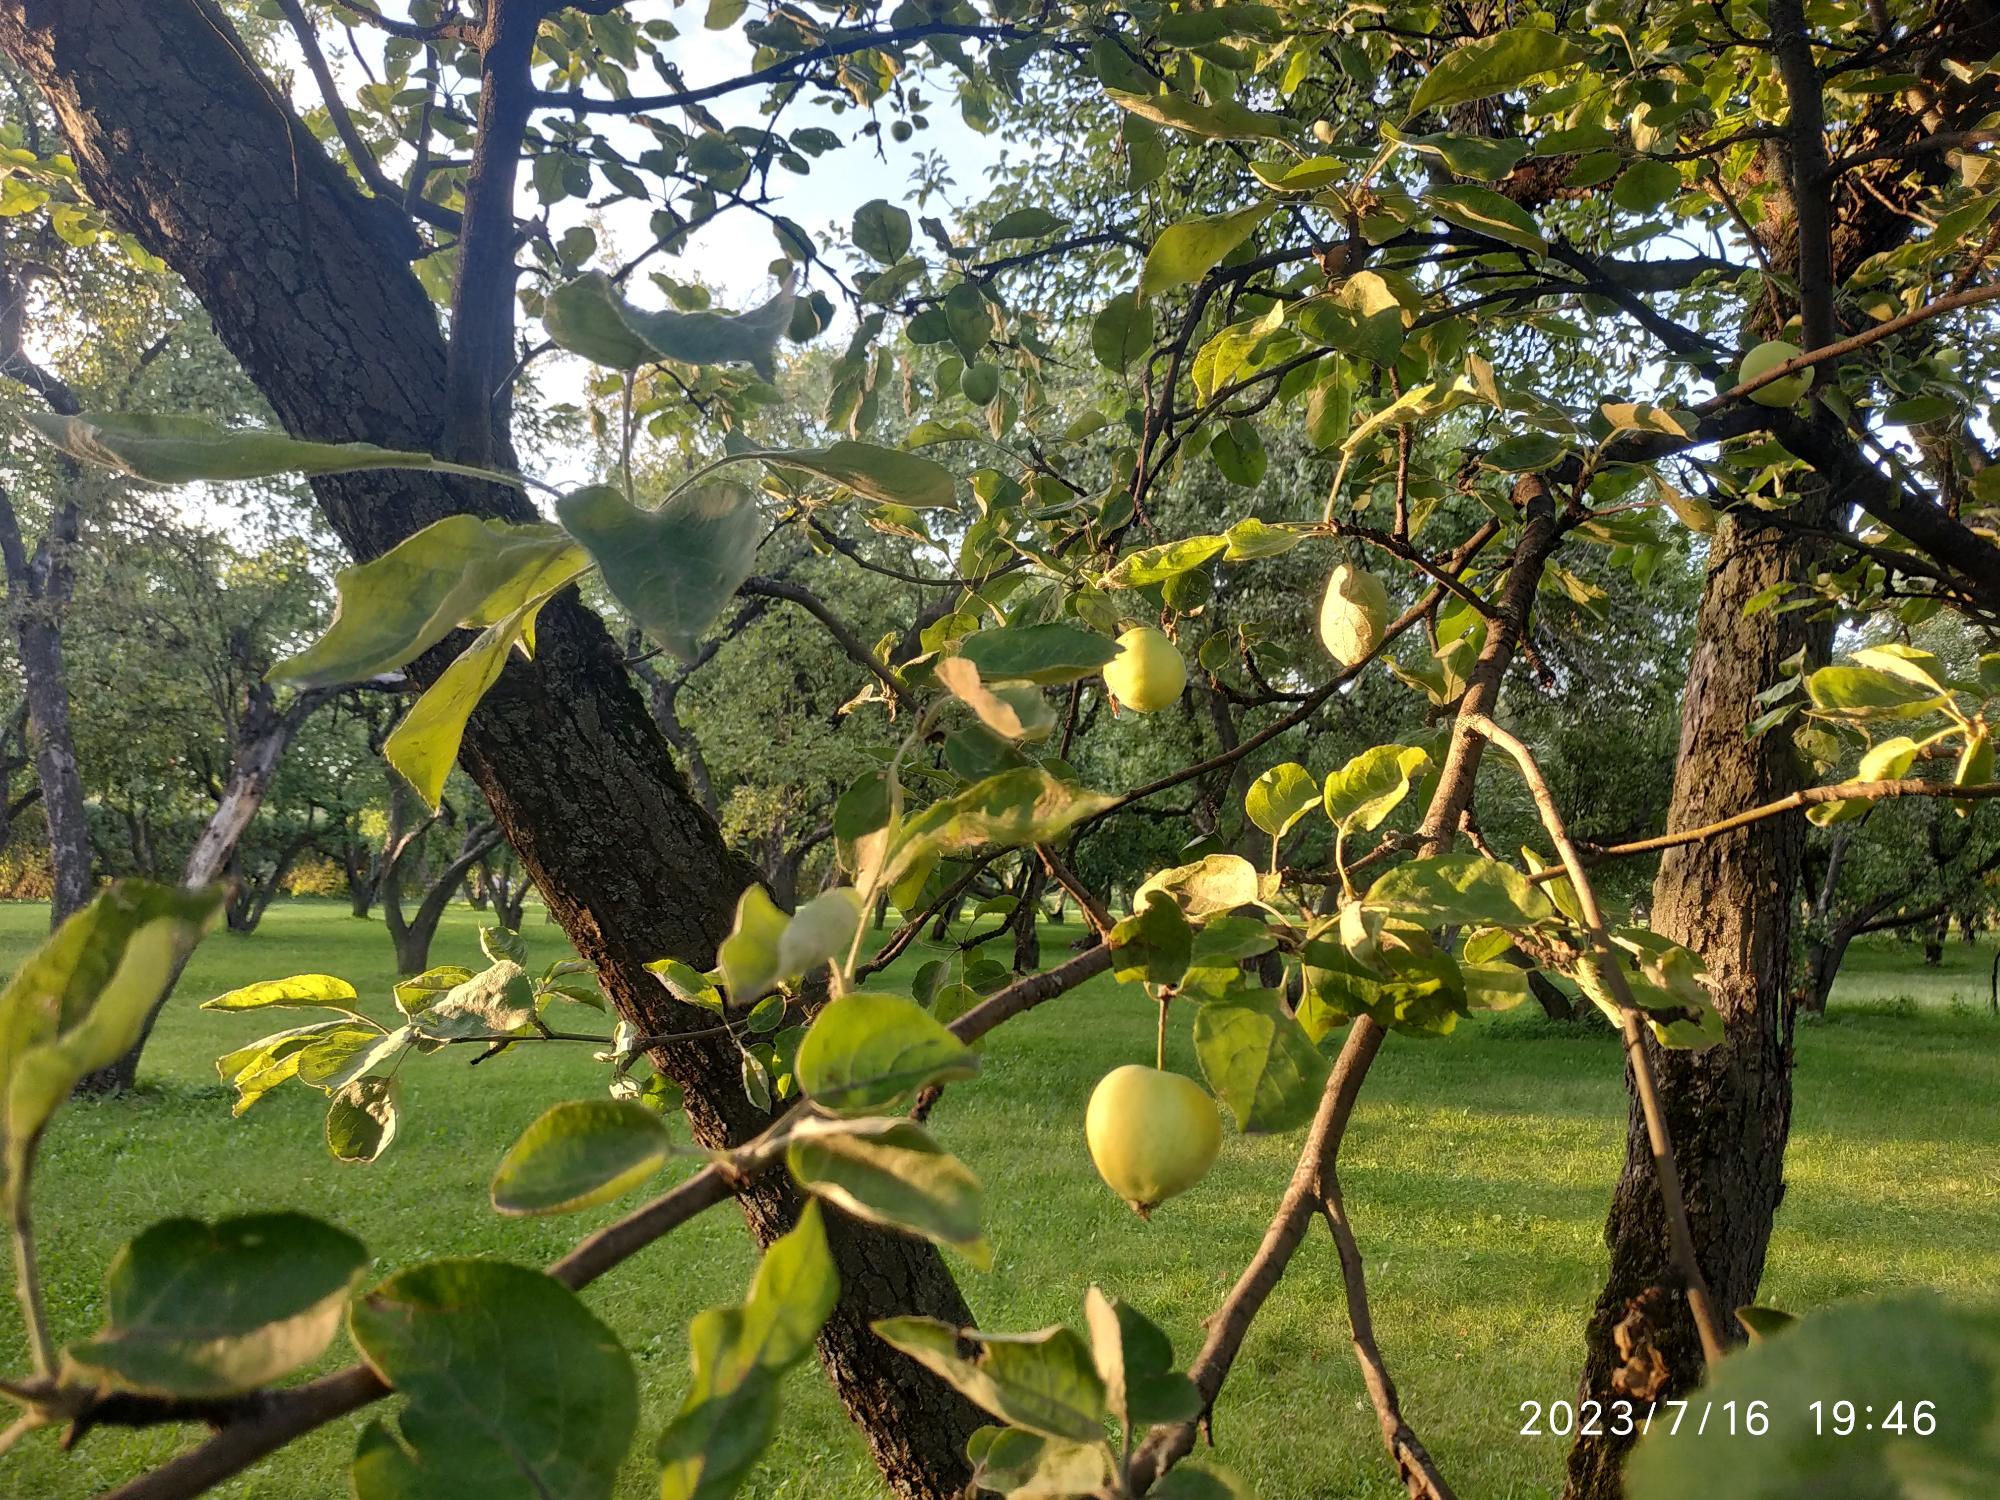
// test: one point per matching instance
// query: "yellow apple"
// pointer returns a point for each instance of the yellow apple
(1153, 1135)
(1147, 673)
(1766, 357)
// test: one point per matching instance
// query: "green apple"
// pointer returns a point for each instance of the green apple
(1153, 1135)
(1147, 673)
(1766, 357)
(1353, 614)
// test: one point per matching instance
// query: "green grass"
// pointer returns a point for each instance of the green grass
(1477, 1171)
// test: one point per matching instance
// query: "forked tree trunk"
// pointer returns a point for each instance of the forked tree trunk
(308, 285)
(413, 934)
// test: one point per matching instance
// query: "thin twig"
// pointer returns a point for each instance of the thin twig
(1666, 1173)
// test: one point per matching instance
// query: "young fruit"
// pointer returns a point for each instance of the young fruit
(1147, 673)
(1766, 357)
(1153, 1135)
(1354, 614)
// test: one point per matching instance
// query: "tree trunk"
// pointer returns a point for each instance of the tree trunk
(1732, 900)
(1027, 932)
(252, 767)
(38, 593)
(1556, 1005)
(308, 285)
(1823, 959)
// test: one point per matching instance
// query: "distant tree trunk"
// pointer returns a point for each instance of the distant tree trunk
(16, 756)
(250, 899)
(38, 594)
(38, 597)
(1027, 931)
(782, 873)
(412, 935)
(1556, 1005)
(264, 734)
(362, 864)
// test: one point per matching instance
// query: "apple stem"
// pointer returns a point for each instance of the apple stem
(1160, 1044)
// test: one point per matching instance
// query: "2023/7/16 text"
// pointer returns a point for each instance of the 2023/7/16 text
(1734, 1418)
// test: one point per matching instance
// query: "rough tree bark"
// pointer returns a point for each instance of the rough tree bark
(38, 595)
(1728, 1109)
(38, 592)
(1734, 900)
(308, 285)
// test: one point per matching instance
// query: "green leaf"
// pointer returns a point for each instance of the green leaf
(739, 1354)
(876, 473)
(510, 1387)
(590, 317)
(1484, 211)
(185, 450)
(361, 1120)
(1475, 156)
(1493, 987)
(499, 943)
(1460, 889)
(1193, 1482)
(260, 1067)
(1890, 1358)
(1646, 185)
(1362, 317)
(1226, 121)
(1026, 224)
(1889, 760)
(1492, 65)
(1213, 884)
(497, 1001)
(1251, 538)
(1015, 711)
(1258, 1060)
(673, 568)
(1011, 809)
(458, 573)
(1869, 693)
(580, 1154)
(866, 1050)
(891, 1172)
(1122, 332)
(1043, 654)
(748, 957)
(82, 998)
(1154, 944)
(820, 932)
(419, 991)
(1136, 1363)
(882, 231)
(1369, 787)
(1187, 251)
(1915, 666)
(1022, 1465)
(1044, 1381)
(204, 1311)
(1137, 570)
(424, 746)
(301, 991)
(1280, 797)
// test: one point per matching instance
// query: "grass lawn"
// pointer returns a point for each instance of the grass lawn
(1477, 1171)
